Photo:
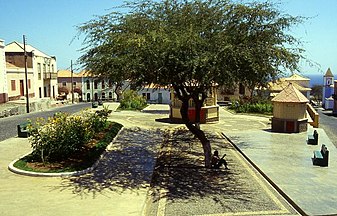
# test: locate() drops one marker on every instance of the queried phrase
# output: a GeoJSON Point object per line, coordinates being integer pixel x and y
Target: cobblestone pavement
{"type": "Point", "coordinates": [182, 186]}
{"type": "Point", "coordinates": [120, 184]}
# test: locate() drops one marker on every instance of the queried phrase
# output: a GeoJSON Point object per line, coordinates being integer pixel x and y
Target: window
{"type": "Point", "coordinates": [103, 96]}
{"type": "Point", "coordinates": [64, 83]}
{"type": "Point", "coordinates": [29, 84]}
{"type": "Point", "coordinates": [88, 84]}
{"type": "Point", "coordinates": [110, 95]}
{"type": "Point", "coordinates": [95, 84]}
{"type": "Point", "coordinates": [39, 70]}
{"type": "Point", "coordinates": [13, 85]}
{"type": "Point", "coordinates": [52, 68]}
{"type": "Point", "coordinates": [110, 83]}
{"type": "Point", "coordinates": [146, 95]}
{"type": "Point", "coordinates": [103, 84]}
{"type": "Point", "coordinates": [44, 68]}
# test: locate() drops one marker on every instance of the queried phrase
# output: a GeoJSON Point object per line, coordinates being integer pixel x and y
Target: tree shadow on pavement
{"type": "Point", "coordinates": [128, 165]}
{"type": "Point", "coordinates": [181, 174]}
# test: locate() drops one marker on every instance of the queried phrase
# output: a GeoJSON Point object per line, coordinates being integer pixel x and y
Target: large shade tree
{"type": "Point", "coordinates": [191, 45]}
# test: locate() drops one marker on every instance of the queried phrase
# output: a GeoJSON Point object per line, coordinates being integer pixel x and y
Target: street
{"type": "Point", "coordinates": [329, 123]}
{"type": "Point", "coordinates": [8, 125]}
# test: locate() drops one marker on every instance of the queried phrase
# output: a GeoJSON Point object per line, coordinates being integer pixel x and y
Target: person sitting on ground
{"type": "Point", "coordinates": [217, 162]}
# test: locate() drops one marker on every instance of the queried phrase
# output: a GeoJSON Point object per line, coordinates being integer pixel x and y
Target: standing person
{"type": "Point", "coordinates": [217, 162]}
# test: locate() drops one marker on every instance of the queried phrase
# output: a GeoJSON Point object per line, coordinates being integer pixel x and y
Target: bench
{"type": "Point", "coordinates": [313, 139]}
{"type": "Point", "coordinates": [94, 104]}
{"type": "Point", "coordinates": [321, 158]}
{"type": "Point", "coordinates": [22, 130]}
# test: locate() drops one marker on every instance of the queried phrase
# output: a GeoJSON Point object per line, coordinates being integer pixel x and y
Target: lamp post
{"type": "Point", "coordinates": [26, 73]}
{"type": "Point", "coordinates": [72, 82]}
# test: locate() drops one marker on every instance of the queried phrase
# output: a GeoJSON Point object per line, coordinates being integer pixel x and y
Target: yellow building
{"type": "Point", "coordinates": [299, 82]}
{"type": "Point", "coordinates": [17, 82]}
{"type": "Point", "coordinates": [41, 69]}
{"type": "Point", "coordinates": [289, 111]}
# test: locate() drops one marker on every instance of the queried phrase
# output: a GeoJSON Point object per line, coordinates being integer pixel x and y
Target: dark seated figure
{"type": "Point", "coordinates": [321, 158]}
{"type": "Point", "coordinates": [217, 162]}
{"type": "Point", "coordinates": [313, 139]}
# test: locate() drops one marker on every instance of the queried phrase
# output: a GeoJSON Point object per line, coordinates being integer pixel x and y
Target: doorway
{"type": "Point", "coordinates": [22, 92]}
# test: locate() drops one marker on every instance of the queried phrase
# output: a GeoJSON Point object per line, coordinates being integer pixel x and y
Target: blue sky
{"type": "Point", "coordinates": [50, 26]}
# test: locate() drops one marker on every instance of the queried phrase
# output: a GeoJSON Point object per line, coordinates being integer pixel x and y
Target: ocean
{"type": "Point", "coordinates": [315, 79]}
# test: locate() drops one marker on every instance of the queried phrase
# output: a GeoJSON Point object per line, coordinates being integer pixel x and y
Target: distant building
{"type": "Point", "coordinates": [229, 94]}
{"type": "Point", "coordinates": [94, 88]}
{"type": "Point", "coordinates": [335, 98]}
{"type": "Point", "coordinates": [328, 90]}
{"type": "Point", "coordinates": [64, 79]}
{"type": "Point", "coordinates": [3, 76]}
{"type": "Point", "coordinates": [299, 82]}
{"type": "Point", "coordinates": [42, 68]}
{"type": "Point", "coordinates": [156, 94]}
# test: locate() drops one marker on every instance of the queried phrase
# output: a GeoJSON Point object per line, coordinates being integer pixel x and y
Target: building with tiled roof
{"type": "Point", "coordinates": [88, 87]}
{"type": "Point", "coordinates": [290, 94]}
{"type": "Point", "coordinates": [289, 111]}
{"type": "Point", "coordinates": [42, 76]}
{"type": "Point", "coordinates": [299, 82]}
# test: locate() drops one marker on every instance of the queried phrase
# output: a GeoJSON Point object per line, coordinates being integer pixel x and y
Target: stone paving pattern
{"type": "Point", "coordinates": [284, 158]}
{"type": "Point", "coordinates": [187, 188]}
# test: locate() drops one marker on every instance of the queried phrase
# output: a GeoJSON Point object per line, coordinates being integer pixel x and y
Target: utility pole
{"type": "Point", "coordinates": [72, 82]}
{"type": "Point", "coordinates": [26, 73]}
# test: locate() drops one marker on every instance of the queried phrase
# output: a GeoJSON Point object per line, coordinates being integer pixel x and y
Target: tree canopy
{"type": "Point", "coordinates": [192, 45]}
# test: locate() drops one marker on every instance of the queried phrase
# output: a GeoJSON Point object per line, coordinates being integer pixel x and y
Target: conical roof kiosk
{"type": "Point", "coordinates": [289, 111]}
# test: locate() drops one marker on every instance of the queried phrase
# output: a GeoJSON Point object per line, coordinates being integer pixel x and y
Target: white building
{"type": "Point", "coordinates": [154, 94]}
{"type": "Point", "coordinates": [42, 72]}
{"type": "Point", "coordinates": [3, 79]}
{"type": "Point", "coordinates": [94, 89]}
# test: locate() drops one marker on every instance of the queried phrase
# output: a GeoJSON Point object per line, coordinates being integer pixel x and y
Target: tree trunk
{"type": "Point", "coordinates": [196, 131]}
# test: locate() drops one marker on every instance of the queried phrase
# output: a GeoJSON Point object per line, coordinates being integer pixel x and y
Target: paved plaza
{"type": "Point", "coordinates": [122, 184]}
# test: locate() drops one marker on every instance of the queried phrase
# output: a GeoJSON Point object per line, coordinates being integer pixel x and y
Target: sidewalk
{"type": "Point", "coordinates": [286, 160]}
{"type": "Point", "coordinates": [118, 186]}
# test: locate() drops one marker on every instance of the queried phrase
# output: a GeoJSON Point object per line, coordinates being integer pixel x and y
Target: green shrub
{"type": "Point", "coordinates": [60, 136]}
{"type": "Point", "coordinates": [86, 161]}
{"type": "Point", "coordinates": [258, 107]}
{"type": "Point", "coordinates": [132, 101]}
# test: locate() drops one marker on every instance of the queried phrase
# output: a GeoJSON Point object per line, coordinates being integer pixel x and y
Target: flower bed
{"type": "Point", "coordinates": [67, 142]}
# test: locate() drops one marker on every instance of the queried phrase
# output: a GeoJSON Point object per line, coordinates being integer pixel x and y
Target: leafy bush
{"type": "Point", "coordinates": [258, 107]}
{"type": "Point", "coordinates": [84, 161]}
{"type": "Point", "coordinates": [60, 136]}
{"type": "Point", "coordinates": [132, 101]}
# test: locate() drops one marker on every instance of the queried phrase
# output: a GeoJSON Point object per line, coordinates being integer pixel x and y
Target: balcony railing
{"type": "Point", "coordinates": [49, 75]}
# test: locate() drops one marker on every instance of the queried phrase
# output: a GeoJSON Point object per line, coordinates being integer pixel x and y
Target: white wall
{"type": "Point", "coordinates": [154, 95]}
{"type": "Point", "coordinates": [3, 79]}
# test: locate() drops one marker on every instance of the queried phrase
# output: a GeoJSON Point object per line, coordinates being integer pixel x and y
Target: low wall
{"type": "Point", "coordinates": [17, 108]}
{"type": "Point", "coordinates": [314, 116]}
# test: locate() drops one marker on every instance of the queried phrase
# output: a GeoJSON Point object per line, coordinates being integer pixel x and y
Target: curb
{"type": "Point", "coordinates": [284, 195]}
{"type": "Point", "coordinates": [63, 174]}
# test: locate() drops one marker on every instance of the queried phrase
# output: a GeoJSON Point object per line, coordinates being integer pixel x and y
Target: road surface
{"type": "Point", "coordinates": [8, 125]}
